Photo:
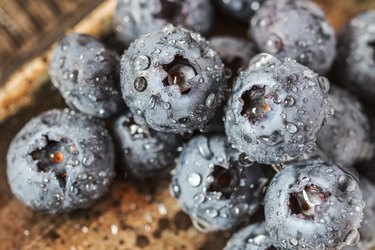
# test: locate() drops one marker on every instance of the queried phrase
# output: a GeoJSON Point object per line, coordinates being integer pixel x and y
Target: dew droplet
{"type": "Point", "coordinates": [199, 198]}
{"type": "Point", "coordinates": [324, 83]}
{"type": "Point", "coordinates": [289, 101]}
{"type": "Point", "coordinates": [352, 238]}
{"type": "Point", "coordinates": [152, 101]}
{"type": "Point", "coordinates": [175, 191]}
{"type": "Point", "coordinates": [194, 179]}
{"type": "Point", "coordinates": [211, 101]}
{"type": "Point", "coordinates": [141, 62]}
{"type": "Point", "coordinates": [212, 212]}
{"type": "Point", "coordinates": [140, 84]}
{"type": "Point", "coordinates": [291, 128]}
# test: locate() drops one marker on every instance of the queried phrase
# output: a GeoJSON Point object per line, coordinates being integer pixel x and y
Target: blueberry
{"type": "Point", "coordinates": [218, 187]}
{"type": "Point", "coordinates": [252, 237]}
{"type": "Point", "coordinates": [235, 52]}
{"type": "Point", "coordinates": [313, 205]}
{"type": "Point", "coordinates": [134, 18]}
{"type": "Point", "coordinates": [367, 229]}
{"type": "Point", "coordinates": [240, 9]}
{"type": "Point", "coordinates": [172, 80]}
{"type": "Point", "coordinates": [87, 75]}
{"type": "Point", "coordinates": [345, 137]}
{"type": "Point", "coordinates": [60, 161]}
{"type": "Point", "coordinates": [356, 56]}
{"type": "Point", "coordinates": [144, 153]}
{"type": "Point", "coordinates": [276, 109]}
{"type": "Point", "coordinates": [297, 29]}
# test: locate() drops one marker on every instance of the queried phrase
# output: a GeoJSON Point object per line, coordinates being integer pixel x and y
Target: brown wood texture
{"type": "Point", "coordinates": [27, 27]}
{"type": "Point", "coordinates": [131, 216]}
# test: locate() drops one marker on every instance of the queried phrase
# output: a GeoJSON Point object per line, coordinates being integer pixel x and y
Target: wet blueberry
{"type": "Point", "coordinates": [87, 75]}
{"type": "Point", "coordinates": [215, 185]}
{"type": "Point", "coordinates": [276, 109]}
{"type": "Point", "coordinates": [172, 80]}
{"type": "Point", "coordinates": [314, 205]}
{"type": "Point", "coordinates": [60, 161]}
{"type": "Point", "coordinates": [356, 56]}
{"type": "Point", "coordinates": [297, 29]}
{"type": "Point", "coordinates": [134, 18]}
{"type": "Point", "coordinates": [346, 137]}
{"type": "Point", "coordinates": [144, 153]}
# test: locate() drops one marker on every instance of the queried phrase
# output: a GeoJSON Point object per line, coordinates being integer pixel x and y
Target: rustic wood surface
{"type": "Point", "coordinates": [132, 216]}
{"type": "Point", "coordinates": [27, 27]}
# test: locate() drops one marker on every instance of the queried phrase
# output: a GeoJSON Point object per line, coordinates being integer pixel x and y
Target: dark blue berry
{"type": "Point", "coordinates": [172, 80]}
{"type": "Point", "coordinates": [276, 109]}
{"type": "Point", "coordinates": [87, 75]}
{"type": "Point", "coordinates": [235, 53]}
{"type": "Point", "coordinates": [356, 56]}
{"type": "Point", "coordinates": [134, 18]}
{"type": "Point", "coordinates": [313, 205]}
{"type": "Point", "coordinates": [60, 161]}
{"type": "Point", "coordinates": [144, 153]}
{"type": "Point", "coordinates": [297, 29]}
{"type": "Point", "coordinates": [345, 137]}
{"type": "Point", "coordinates": [240, 9]}
{"type": "Point", "coordinates": [218, 187]}
{"type": "Point", "coordinates": [252, 237]}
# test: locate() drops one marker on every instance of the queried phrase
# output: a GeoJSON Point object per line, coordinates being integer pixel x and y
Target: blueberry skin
{"type": "Point", "coordinates": [235, 52]}
{"type": "Point", "coordinates": [144, 153]}
{"type": "Point", "coordinates": [328, 218]}
{"type": "Point", "coordinates": [276, 109]}
{"type": "Point", "coordinates": [172, 80]}
{"type": "Point", "coordinates": [240, 9]}
{"type": "Point", "coordinates": [60, 161]}
{"type": "Point", "coordinates": [252, 237]}
{"type": "Point", "coordinates": [87, 75]}
{"type": "Point", "coordinates": [367, 229]}
{"type": "Point", "coordinates": [215, 185]}
{"type": "Point", "coordinates": [134, 18]}
{"type": "Point", "coordinates": [345, 136]}
{"type": "Point", "coordinates": [297, 29]}
{"type": "Point", "coordinates": [355, 56]}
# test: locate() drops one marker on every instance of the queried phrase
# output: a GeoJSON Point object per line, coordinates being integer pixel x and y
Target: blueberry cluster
{"type": "Point", "coordinates": [227, 113]}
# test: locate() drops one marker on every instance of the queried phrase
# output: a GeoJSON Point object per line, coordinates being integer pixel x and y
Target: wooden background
{"type": "Point", "coordinates": [132, 216]}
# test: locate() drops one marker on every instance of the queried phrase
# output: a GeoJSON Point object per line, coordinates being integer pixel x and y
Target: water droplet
{"type": "Point", "coordinates": [274, 44]}
{"type": "Point", "coordinates": [140, 84]}
{"type": "Point", "coordinates": [194, 179]}
{"type": "Point", "coordinates": [273, 139]}
{"type": "Point", "coordinates": [204, 149]}
{"type": "Point", "coordinates": [324, 83]}
{"type": "Point", "coordinates": [166, 105]}
{"type": "Point", "coordinates": [293, 242]}
{"type": "Point", "coordinates": [289, 101]}
{"type": "Point", "coordinates": [291, 128]}
{"type": "Point", "coordinates": [199, 198]}
{"type": "Point", "coordinates": [211, 101]}
{"type": "Point", "coordinates": [212, 212]}
{"type": "Point", "coordinates": [152, 101]}
{"type": "Point", "coordinates": [240, 209]}
{"type": "Point", "coordinates": [352, 238]}
{"type": "Point", "coordinates": [141, 62]}
{"type": "Point", "coordinates": [175, 191]}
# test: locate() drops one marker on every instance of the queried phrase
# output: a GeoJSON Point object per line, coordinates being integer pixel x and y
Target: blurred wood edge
{"type": "Point", "coordinates": [17, 91]}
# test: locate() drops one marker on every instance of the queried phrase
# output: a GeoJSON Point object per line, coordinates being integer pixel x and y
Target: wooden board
{"type": "Point", "coordinates": [140, 216]}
